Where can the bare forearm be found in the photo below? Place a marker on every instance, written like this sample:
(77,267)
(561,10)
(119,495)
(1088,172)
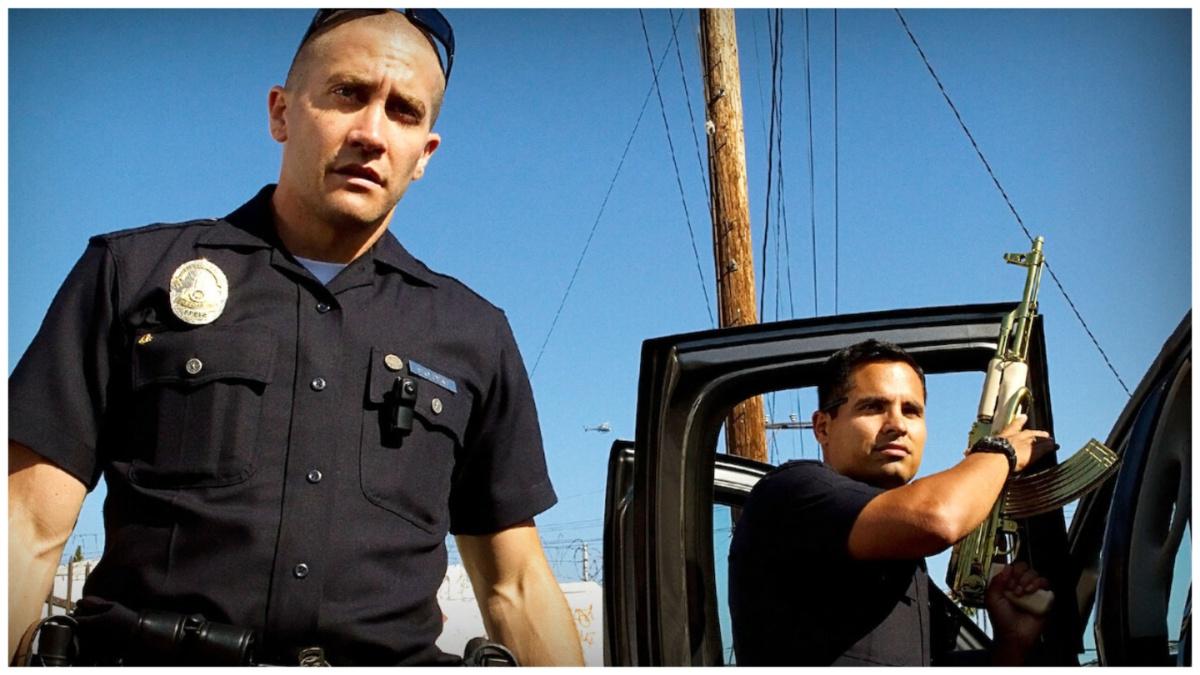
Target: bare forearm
(32,562)
(533,620)
(965,493)
(43,504)
(930,514)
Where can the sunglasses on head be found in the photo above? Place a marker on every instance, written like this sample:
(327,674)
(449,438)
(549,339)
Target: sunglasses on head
(430,21)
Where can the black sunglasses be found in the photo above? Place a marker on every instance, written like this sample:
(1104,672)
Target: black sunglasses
(430,21)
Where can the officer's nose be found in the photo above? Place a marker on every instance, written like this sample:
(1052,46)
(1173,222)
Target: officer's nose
(367,131)
(895,423)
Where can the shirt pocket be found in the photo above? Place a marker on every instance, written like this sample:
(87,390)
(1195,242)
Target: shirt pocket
(410,474)
(197,402)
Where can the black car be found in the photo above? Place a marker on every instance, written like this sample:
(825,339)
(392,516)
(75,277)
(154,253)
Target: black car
(1111,569)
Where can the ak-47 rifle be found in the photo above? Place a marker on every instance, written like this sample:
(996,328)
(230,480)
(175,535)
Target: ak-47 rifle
(1006,393)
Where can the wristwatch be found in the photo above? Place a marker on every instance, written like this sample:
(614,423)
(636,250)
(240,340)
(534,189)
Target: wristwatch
(998,445)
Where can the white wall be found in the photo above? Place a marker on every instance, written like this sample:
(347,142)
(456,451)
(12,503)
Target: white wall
(463,621)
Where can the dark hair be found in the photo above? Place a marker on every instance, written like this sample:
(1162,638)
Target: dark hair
(834,383)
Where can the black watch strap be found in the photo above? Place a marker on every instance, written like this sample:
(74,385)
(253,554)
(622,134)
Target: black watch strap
(998,445)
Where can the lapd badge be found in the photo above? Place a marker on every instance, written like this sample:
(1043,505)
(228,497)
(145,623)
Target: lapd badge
(198,292)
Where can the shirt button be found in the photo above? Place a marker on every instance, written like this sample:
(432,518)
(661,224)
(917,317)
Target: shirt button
(314,476)
(193,366)
(300,571)
(318,383)
(322,307)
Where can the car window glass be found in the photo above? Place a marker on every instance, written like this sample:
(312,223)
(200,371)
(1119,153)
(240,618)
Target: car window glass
(722,535)
(1181,587)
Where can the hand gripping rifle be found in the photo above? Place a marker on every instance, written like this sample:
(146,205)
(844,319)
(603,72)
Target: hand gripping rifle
(983,552)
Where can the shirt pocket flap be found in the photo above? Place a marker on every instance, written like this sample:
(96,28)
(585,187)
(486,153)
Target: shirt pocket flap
(437,407)
(446,411)
(194,357)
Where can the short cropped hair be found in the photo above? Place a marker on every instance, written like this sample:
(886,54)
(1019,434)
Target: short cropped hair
(834,383)
(301,57)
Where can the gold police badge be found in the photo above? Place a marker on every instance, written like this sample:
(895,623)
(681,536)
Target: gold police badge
(198,292)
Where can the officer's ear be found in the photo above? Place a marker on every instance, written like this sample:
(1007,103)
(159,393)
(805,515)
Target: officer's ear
(276,105)
(820,426)
(431,144)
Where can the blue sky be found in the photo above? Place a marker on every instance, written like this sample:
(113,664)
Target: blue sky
(122,118)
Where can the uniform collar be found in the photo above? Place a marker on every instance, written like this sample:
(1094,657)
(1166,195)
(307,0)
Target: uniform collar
(389,253)
(253,225)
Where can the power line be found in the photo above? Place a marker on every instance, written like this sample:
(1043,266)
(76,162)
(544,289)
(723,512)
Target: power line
(781,227)
(781,223)
(775,179)
(776,57)
(581,494)
(1007,201)
(836,168)
(570,525)
(687,98)
(599,214)
(782,217)
(758,72)
(812,185)
(675,163)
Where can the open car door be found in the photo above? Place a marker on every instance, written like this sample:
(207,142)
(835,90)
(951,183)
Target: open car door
(1126,536)
(661,604)
(660,582)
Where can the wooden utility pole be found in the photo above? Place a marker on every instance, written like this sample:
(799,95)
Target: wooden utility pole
(733,252)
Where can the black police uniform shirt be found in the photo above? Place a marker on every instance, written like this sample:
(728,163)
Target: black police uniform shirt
(796,597)
(252,474)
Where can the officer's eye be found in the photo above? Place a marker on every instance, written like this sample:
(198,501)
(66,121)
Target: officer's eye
(913,410)
(871,406)
(405,112)
(346,91)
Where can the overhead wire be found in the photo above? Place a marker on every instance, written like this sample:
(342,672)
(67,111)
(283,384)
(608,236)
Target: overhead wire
(775,208)
(775,58)
(675,163)
(758,72)
(771,145)
(777,200)
(812,184)
(781,222)
(837,264)
(1007,201)
(781,208)
(779,225)
(687,98)
(600,213)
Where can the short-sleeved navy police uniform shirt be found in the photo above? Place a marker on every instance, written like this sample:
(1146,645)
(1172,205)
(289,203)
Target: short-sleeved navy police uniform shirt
(796,597)
(253,474)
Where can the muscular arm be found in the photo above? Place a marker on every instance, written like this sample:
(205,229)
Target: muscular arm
(930,514)
(522,605)
(43,505)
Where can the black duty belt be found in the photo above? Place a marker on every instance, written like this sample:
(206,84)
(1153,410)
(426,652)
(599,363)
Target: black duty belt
(102,633)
